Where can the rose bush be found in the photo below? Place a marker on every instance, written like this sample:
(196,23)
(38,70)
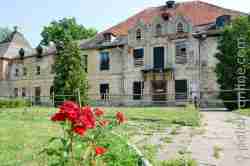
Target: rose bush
(84,131)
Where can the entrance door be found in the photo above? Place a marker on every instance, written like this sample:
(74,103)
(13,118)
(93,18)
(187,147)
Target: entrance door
(159,58)
(159,89)
(181,89)
(37,95)
(104,91)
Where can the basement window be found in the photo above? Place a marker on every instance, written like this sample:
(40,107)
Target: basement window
(138,57)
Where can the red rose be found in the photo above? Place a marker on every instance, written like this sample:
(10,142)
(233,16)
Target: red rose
(120,117)
(72,115)
(104,123)
(69,106)
(80,130)
(100,150)
(87,117)
(58,117)
(99,112)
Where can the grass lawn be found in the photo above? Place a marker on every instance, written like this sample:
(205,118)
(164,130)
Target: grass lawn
(23,134)
(245,112)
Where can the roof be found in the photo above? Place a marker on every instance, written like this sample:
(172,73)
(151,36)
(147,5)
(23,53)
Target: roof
(10,47)
(200,13)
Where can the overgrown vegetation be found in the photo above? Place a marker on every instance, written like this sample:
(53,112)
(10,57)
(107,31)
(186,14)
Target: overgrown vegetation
(245,112)
(13,103)
(234,67)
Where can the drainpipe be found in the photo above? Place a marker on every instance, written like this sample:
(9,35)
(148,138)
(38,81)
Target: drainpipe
(201,37)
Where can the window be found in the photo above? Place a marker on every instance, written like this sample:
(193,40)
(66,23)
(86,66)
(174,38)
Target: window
(138,34)
(180,89)
(158,30)
(38,95)
(180,28)
(159,58)
(15,92)
(17,72)
(104,61)
(181,52)
(23,92)
(85,59)
(104,91)
(38,70)
(138,90)
(138,57)
(107,37)
(24,71)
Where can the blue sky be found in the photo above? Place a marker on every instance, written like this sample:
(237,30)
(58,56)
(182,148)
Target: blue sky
(31,15)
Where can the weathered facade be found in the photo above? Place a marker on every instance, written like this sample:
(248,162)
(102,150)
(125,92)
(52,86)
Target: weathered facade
(161,55)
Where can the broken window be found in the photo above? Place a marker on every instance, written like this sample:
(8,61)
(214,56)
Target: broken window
(23,92)
(180,89)
(138,90)
(181,52)
(16,92)
(104,91)
(138,57)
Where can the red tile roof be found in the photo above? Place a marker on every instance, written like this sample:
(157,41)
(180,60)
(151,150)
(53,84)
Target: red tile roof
(197,11)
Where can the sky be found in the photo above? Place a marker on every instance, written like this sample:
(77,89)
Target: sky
(32,15)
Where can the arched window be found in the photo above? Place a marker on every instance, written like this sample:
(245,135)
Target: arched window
(180,28)
(138,34)
(158,30)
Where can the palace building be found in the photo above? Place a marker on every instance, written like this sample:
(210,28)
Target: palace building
(163,54)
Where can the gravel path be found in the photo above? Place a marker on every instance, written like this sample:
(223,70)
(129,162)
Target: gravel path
(226,141)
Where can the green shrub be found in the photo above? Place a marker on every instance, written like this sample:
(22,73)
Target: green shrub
(13,103)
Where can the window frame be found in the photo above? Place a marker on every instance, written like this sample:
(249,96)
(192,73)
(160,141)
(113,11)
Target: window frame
(38,70)
(104,66)
(138,62)
(181,53)
(138,34)
(16,92)
(180,27)
(138,96)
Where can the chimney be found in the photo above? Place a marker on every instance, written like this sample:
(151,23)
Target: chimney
(170,4)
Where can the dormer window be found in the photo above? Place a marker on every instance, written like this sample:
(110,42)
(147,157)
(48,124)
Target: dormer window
(158,30)
(107,37)
(180,28)
(138,34)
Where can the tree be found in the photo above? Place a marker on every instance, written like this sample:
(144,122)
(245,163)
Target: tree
(230,66)
(70,74)
(69,70)
(64,30)
(4,33)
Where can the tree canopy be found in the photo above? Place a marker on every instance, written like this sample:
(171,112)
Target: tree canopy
(4,33)
(66,29)
(230,56)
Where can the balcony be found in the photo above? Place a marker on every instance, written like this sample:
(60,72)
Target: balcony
(151,74)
